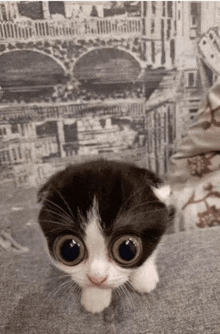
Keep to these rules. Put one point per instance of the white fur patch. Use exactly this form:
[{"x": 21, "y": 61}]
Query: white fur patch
[
  {"x": 95, "y": 300},
  {"x": 163, "y": 193},
  {"x": 145, "y": 278},
  {"x": 96, "y": 246}
]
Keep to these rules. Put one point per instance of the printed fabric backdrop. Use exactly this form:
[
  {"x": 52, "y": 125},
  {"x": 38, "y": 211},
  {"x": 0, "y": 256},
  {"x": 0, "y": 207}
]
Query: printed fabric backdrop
[{"x": 81, "y": 80}]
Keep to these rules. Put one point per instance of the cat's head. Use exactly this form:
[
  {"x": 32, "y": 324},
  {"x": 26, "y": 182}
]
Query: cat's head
[{"x": 102, "y": 220}]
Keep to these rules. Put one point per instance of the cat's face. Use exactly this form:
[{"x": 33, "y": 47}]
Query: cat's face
[{"x": 102, "y": 220}]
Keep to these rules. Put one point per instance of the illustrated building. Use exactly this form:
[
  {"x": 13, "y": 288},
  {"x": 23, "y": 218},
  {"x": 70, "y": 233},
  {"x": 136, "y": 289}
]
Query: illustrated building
[{"x": 120, "y": 80}]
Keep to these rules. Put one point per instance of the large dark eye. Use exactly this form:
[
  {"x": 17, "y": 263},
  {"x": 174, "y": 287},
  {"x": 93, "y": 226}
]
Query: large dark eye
[
  {"x": 69, "y": 250},
  {"x": 126, "y": 250}
]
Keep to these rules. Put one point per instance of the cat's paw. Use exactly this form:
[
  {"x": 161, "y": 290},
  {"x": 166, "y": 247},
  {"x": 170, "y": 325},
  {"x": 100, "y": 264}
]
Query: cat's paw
[
  {"x": 145, "y": 284},
  {"x": 96, "y": 300},
  {"x": 145, "y": 280}
]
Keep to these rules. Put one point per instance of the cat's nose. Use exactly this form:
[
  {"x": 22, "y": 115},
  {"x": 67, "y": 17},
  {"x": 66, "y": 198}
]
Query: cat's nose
[{"x": 97, "y": 280}]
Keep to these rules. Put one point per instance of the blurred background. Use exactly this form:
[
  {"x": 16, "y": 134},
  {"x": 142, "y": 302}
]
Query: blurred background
[
  {"x": 81, "y": 80},
  {"x": 121, "y": 80}
]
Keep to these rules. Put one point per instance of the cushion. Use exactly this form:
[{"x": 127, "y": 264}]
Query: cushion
[
  {"x": 195, "y": 168},
  {"x": 186, "y": 300}
]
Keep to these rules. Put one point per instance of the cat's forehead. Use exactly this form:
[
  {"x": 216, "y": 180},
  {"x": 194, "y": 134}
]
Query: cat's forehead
[
  {"x": 101, "y": 174},
  {"x": 109, "y": 181},
  {"x": 93, "y": 231}
]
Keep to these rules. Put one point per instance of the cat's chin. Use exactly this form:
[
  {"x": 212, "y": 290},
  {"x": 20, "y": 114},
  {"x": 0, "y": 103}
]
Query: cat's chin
[{"x": 95, "y": 300}]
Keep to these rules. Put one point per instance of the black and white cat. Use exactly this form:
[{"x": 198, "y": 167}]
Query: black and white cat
[{"x": 102, "y": 221}]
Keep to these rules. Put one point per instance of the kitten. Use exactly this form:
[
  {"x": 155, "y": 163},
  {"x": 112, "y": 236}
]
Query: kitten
[{"x": 102, "y": 221}]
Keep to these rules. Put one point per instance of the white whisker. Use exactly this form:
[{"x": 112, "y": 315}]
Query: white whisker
[
  {"x": 138, "y": 206},
  {"x": 128, "y": 296},
  {"x": 59, "y": 207},
  {"x": 63, "y": 223},
  {"x": 64, "y": 217},
  {"x": 130, "y": 197},
  {"x": 68, "y": 283},
  {"x": 65, "y": 202},
  {"x": 129, "y": 215},
  {"x": 133, "y": 195}
]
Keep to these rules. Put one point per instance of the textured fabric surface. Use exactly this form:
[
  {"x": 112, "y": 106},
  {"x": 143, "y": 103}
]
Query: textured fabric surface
[
  {"x": 195, "y": 168},
  {"x": 199, "y": 151},
  {"x": 187, "y": 299}
]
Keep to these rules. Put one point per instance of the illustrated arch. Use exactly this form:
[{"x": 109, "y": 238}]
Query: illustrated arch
[
  {"x": 107, "y": 64},
  {"x": 24, "y": 67}
]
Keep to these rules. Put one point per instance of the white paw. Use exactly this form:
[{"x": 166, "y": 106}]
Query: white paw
[
  {"x": 145, "y": 278},
  {"x": 96, "y": 300}
]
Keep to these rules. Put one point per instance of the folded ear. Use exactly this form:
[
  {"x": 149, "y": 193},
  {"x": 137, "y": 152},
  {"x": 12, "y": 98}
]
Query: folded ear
[
  {"x": 43, "y": 192},
  {"x": 163, "y": 192},
  {"x": 51, "y": 185}
]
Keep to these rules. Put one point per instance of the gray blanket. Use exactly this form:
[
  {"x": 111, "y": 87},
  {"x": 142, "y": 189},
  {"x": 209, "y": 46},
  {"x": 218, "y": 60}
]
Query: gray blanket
[{"x": 187, "y": 299}]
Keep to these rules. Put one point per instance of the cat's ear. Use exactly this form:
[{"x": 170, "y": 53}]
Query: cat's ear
[
  {"x": 43, "y": 192},
  {"x": 163, "y": 193},
  {"x": 160, "y": 189},
  {"x": 50, "y": 186}
]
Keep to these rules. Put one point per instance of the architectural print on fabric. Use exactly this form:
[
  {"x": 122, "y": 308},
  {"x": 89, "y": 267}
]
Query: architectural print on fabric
[{"x": 110, "y": 79}]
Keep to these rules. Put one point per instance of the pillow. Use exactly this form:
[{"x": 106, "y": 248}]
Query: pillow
[
  {"x": 186, "y": 299},
  {"x": 195, "y": 168}
]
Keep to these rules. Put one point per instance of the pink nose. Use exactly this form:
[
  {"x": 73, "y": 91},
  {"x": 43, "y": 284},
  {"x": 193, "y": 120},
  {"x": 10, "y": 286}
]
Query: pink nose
[{"x": 97, "y": 280}]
